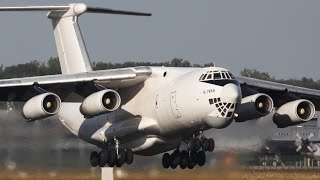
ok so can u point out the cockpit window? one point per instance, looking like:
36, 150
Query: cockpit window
231, 75
216, 75
201, 77
224, 76
209, 77
204, 77
228, 76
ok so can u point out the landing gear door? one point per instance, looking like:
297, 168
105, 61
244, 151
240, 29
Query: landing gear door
174, 105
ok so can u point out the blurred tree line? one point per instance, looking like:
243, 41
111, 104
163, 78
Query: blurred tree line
52, 66
303, 82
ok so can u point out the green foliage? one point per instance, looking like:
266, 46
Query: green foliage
254, 73
176, 62
33, 68
303, 82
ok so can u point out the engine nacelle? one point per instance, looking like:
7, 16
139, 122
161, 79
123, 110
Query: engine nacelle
100, 102
253, 107
294, 112
41, 106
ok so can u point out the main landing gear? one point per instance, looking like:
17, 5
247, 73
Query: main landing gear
194, 155
111, 156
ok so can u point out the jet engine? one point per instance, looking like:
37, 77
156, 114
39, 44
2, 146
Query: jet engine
100, 102
294, 112
41, 106
253, 107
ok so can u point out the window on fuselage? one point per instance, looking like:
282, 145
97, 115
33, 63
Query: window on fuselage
228, 106
229, 114
210, 101
209, 77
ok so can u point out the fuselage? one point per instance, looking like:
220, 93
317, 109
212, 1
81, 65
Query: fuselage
171, 105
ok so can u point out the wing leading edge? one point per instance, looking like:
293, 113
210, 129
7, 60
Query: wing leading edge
280, 93
72, 87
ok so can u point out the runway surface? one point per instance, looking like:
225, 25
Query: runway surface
166, 174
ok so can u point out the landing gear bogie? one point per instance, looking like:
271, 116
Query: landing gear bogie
111, 158
111, 155
193, 156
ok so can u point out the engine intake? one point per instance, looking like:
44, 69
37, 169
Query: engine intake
41, 106
100, 102
254, 106
294, 112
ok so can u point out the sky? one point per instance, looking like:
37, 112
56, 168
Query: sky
276, 36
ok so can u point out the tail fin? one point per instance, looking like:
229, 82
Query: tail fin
71, 48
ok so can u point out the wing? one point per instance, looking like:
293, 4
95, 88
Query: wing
280, 93
73, 87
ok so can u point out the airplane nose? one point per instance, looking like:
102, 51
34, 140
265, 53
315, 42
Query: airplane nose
231, 93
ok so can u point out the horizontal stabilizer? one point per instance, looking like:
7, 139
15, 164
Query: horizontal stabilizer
78, 8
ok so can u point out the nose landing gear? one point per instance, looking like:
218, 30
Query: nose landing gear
194, 155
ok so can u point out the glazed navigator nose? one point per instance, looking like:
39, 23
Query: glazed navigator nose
231, 93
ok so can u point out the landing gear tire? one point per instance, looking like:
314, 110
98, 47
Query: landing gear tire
201, 158
197, 144
103, 158
166, 160
112, 158
183, 166
94, 159
184, 159
191, 165
193, 157
175, 158
129, 155
205, 144
192, 160
173, 166
211, 145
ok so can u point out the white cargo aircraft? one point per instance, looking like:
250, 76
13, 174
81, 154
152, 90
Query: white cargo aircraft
146, 110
